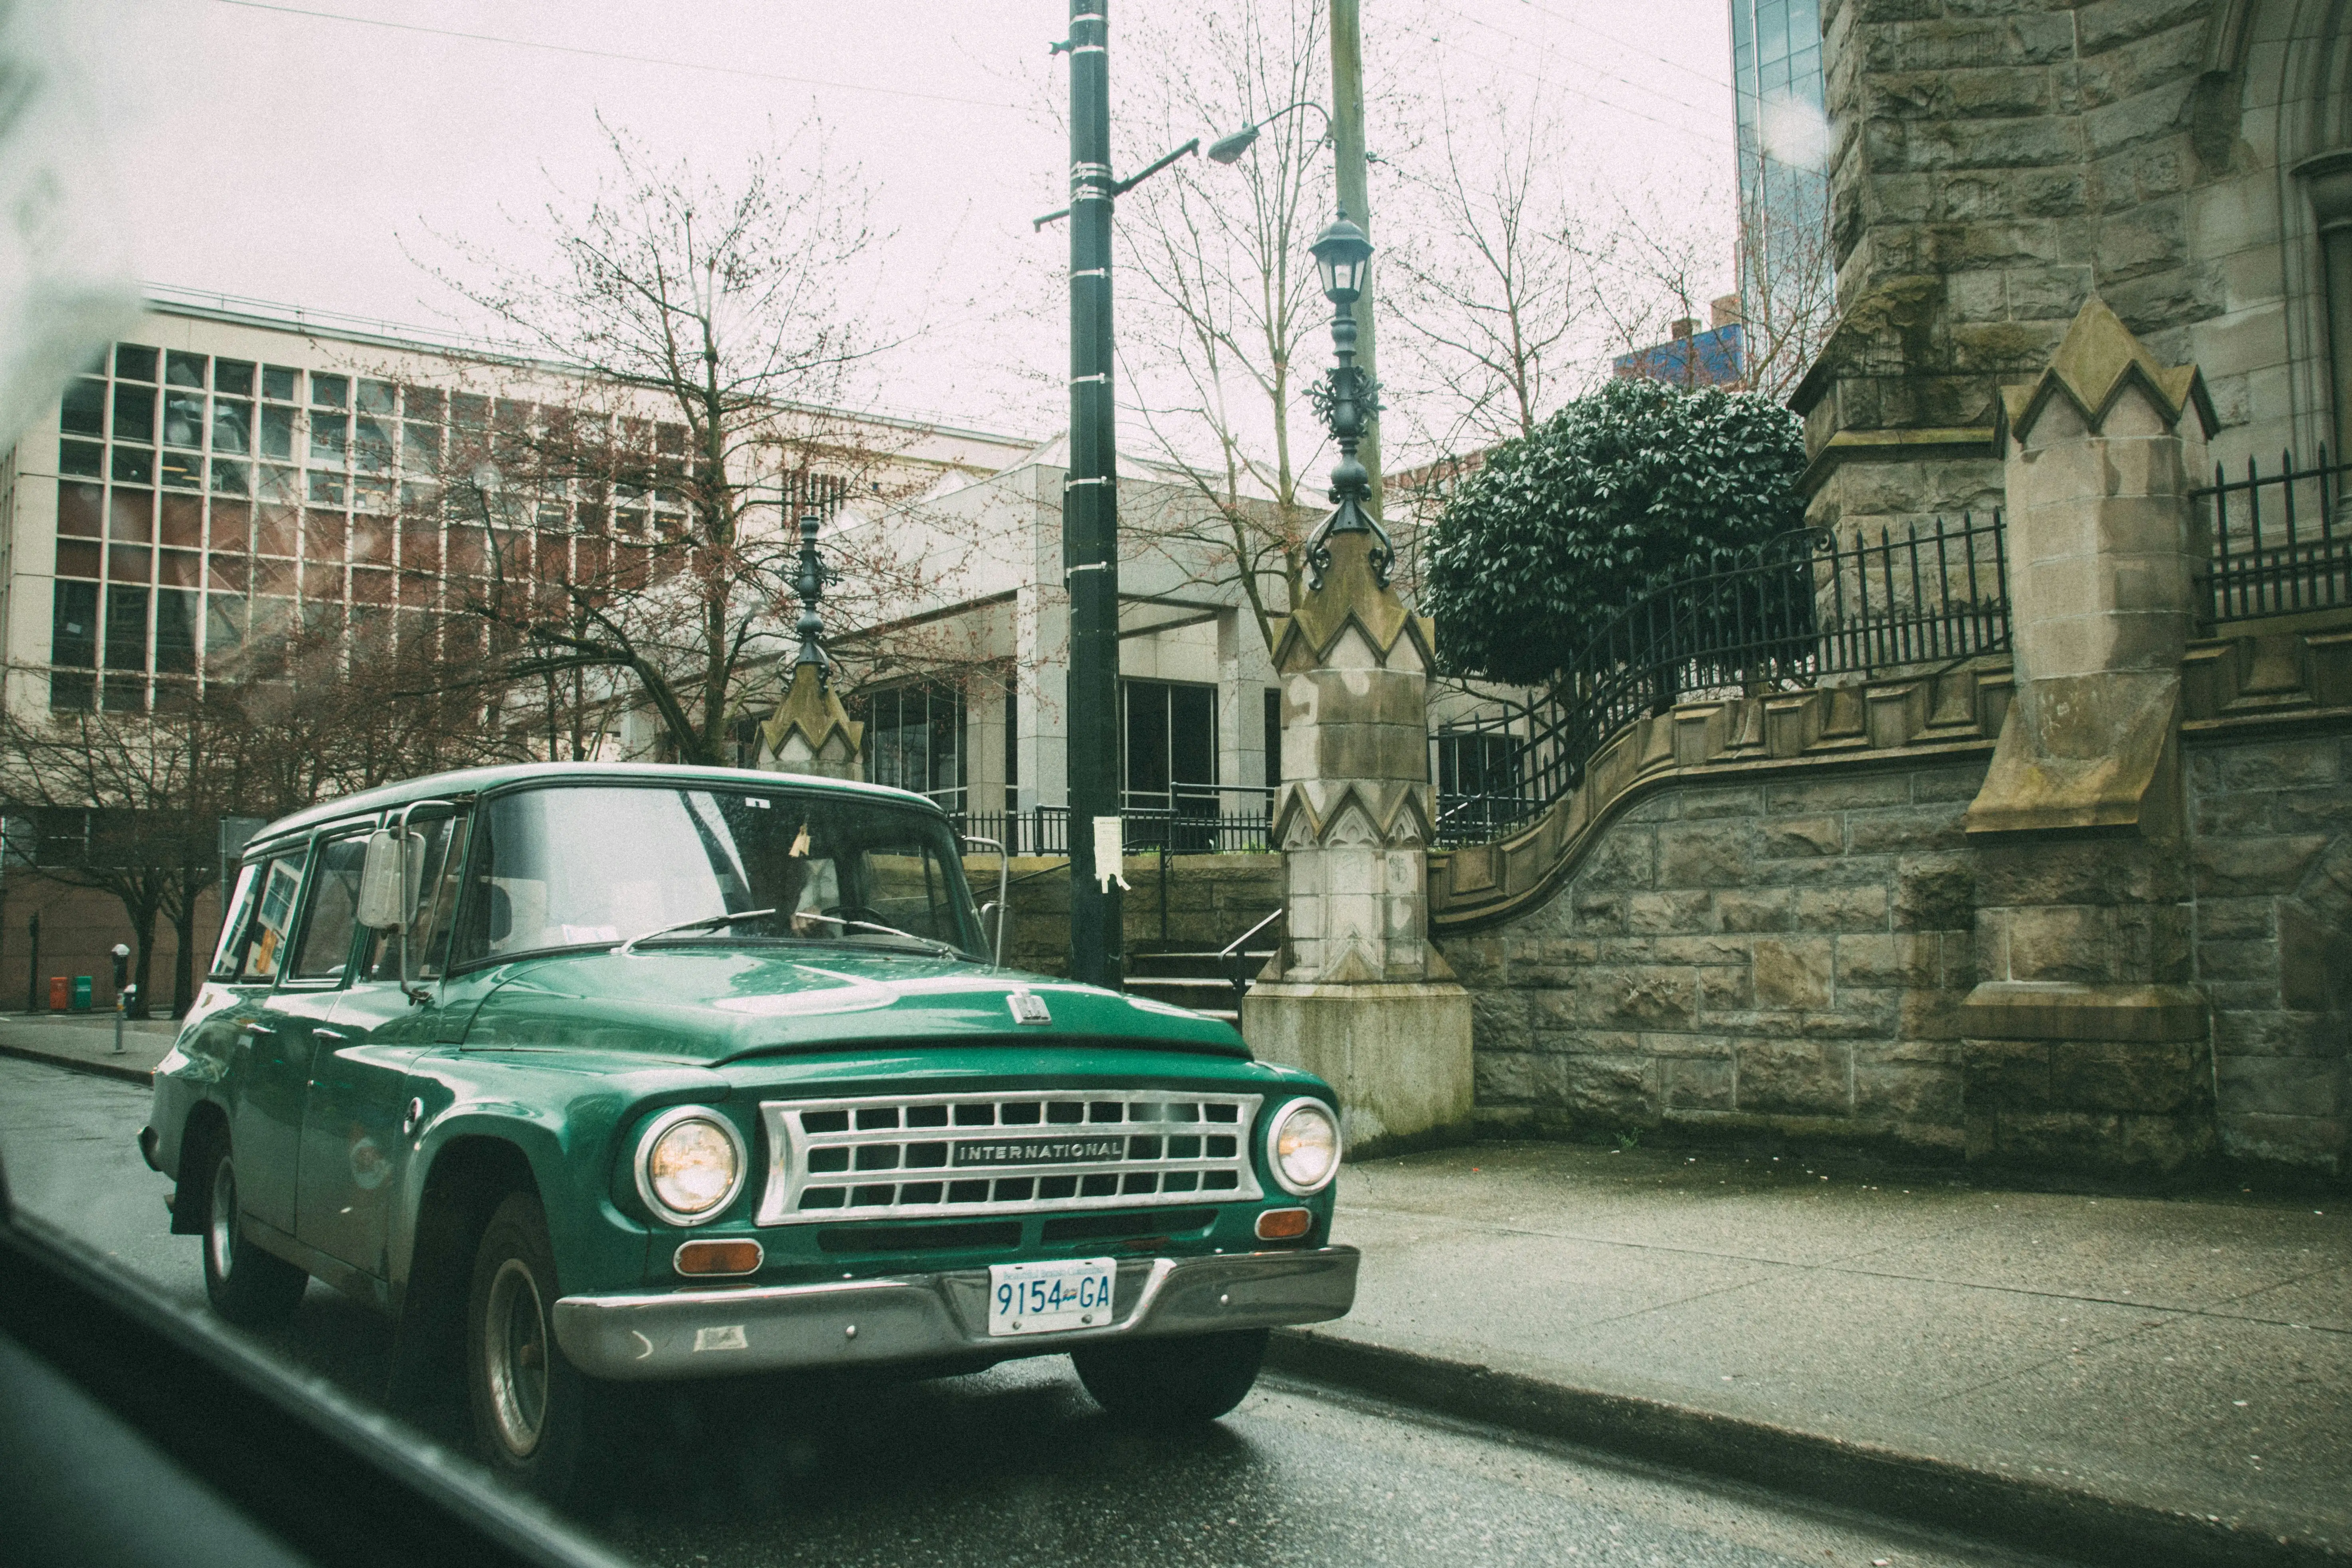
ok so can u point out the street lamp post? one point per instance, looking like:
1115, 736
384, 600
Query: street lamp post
1347, 399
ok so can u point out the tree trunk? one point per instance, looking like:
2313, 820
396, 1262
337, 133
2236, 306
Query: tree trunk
143, 950
184, 962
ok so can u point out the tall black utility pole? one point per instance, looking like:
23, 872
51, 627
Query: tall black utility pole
1090, 507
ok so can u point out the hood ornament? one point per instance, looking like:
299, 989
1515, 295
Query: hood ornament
1028, 1007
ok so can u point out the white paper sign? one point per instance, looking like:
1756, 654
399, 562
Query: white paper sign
1110, 847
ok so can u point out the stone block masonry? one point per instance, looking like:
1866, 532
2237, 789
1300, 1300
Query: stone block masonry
1785, 955
2271, 823
1734, 957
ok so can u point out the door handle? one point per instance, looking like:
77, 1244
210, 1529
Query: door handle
321, 1032
259, 1029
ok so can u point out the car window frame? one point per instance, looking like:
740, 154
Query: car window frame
463, 808
298, 929
488, 800
244, 901
260, 860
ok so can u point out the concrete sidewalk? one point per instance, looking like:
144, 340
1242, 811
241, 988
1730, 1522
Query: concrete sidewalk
2134, 1375
86, 1041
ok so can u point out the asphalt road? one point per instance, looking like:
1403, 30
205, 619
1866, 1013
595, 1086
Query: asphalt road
1015, 1465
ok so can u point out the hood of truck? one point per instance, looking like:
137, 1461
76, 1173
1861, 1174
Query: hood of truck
709, 1005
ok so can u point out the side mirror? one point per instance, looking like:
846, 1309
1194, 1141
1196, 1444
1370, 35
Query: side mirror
384, 879
991, 926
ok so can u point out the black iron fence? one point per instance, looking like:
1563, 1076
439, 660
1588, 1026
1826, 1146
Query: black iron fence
1802, 607
1206, 819
2277, 548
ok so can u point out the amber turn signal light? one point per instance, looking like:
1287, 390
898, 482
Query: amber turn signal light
706, 1257
1284, 1224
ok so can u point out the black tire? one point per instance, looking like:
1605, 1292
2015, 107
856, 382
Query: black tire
250, 1288
531, 1406
1173, 1382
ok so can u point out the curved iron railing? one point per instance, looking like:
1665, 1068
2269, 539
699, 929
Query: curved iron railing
1797, 608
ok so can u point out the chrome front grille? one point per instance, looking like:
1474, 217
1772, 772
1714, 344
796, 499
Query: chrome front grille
1042, 1152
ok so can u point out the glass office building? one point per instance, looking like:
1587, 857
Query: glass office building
1784, 146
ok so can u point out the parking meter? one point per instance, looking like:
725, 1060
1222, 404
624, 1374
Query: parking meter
124, 991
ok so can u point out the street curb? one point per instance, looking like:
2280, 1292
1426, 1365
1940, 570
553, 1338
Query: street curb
80, 1064
2014, 1510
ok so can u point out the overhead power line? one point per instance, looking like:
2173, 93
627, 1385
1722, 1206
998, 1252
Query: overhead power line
621, 55
1636, 49
1521, 40
1683, 128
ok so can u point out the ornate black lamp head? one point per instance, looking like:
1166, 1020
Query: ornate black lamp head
1343, 253
1347, 401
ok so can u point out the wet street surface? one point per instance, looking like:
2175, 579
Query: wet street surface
1014, 1466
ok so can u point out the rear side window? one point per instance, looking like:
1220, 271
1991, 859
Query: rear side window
262, 945
233, 925
333, 904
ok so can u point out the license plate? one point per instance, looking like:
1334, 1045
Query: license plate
1047, 1298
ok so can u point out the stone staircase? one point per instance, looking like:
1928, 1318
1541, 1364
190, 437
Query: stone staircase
1207, 982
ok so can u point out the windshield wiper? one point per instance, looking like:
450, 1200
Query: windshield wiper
707, 923
938, 947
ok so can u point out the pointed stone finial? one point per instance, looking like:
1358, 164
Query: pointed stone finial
2098, 359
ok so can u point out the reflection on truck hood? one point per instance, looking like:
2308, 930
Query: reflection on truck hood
709, 1006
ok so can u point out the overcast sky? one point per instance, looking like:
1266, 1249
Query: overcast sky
291, 154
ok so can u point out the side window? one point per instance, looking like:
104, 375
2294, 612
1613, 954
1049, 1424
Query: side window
265, 944
238, 916
334, 904
442, 861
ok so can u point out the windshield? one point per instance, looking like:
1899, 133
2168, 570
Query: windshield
575, 866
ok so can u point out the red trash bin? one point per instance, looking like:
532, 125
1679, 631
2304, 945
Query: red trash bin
60, 992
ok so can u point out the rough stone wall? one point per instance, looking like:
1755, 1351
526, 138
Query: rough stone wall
1781, 956
1788, 957
2272, 825
1997, 161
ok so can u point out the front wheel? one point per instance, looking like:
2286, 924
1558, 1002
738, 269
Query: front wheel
529, 1403
1176, 1382
250, 1288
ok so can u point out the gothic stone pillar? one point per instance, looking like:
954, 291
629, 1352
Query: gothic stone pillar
811, 731
2085, 1044
1357, 994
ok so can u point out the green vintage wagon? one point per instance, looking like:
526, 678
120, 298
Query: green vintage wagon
589, 1075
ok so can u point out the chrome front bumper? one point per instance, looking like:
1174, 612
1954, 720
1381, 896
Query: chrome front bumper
921, 1317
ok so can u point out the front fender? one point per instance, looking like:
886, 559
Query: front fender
562, 1116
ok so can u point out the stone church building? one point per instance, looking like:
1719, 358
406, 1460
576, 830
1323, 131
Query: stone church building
1997, 163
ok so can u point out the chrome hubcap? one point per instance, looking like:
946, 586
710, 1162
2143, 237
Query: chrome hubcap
515, 1348
220, 1225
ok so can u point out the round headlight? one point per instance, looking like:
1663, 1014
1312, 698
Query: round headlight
689, 1165
1302, 1145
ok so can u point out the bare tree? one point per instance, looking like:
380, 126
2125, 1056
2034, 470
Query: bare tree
1494, 296
611, 540
123, 804
1222, 307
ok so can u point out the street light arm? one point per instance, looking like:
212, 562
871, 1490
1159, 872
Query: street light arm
1228, 149
1121, 187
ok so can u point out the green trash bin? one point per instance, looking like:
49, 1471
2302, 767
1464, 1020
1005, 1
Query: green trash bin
82, 993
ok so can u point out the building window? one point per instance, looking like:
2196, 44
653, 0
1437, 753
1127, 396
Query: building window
1273, 736
1168, 763
915, 741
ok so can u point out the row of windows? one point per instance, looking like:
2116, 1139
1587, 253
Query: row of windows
126, 634
1774, 30
916, 739
344, 448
